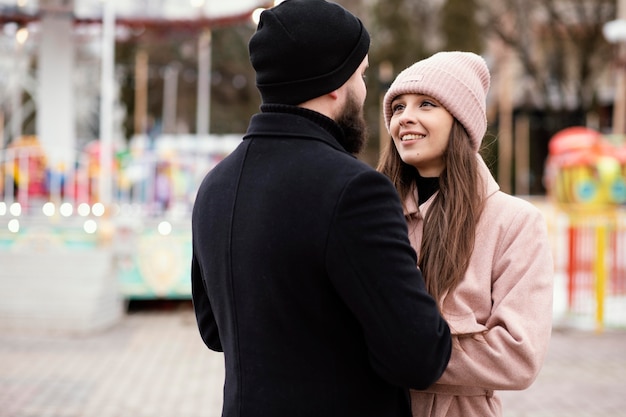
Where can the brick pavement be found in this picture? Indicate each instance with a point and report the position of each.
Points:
(584, 376)
(149, 365)
(153, 364)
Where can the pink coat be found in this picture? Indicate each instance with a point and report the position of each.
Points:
(500, 315)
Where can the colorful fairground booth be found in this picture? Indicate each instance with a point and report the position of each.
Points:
(68, 261)
(586, 182)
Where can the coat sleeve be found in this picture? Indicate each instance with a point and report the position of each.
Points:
(202, 307)
(510, 352)
(373, 268)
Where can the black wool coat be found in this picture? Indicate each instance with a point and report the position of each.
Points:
(303, 275)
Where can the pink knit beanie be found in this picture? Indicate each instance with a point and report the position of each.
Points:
(458, 80)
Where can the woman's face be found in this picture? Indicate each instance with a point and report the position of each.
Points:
(420, 128)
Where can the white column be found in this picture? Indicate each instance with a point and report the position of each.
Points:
(56, 118)
(107, 97)
(17, 117)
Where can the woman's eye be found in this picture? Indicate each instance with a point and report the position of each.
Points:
(427, 103)
(397, 107)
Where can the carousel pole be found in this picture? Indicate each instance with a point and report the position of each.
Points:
(107, 84)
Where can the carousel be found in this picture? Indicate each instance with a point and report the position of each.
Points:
(84, 228)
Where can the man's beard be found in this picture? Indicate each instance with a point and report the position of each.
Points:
(352, 122)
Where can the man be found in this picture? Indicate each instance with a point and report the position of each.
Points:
(302, 271)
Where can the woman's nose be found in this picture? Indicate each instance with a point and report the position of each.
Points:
(407, 117)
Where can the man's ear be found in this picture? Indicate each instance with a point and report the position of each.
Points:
(334, 102)
(327, 104)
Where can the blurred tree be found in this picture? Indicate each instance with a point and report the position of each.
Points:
(402, 32)
(547, 57)
(559, 44)
(401, 29)
(164, 47)
(233, 93)
(459, 26)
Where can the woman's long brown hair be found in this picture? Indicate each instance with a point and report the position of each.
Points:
(450, 224)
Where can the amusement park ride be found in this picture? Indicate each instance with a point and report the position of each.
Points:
(585, 177)
(83, 230)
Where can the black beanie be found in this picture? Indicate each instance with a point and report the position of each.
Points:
(304, 49)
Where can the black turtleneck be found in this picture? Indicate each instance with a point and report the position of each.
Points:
(426, 187)
(326, 122)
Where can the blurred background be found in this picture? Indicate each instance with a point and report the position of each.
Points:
(112, 111)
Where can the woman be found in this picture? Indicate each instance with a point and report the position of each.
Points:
(485, 255)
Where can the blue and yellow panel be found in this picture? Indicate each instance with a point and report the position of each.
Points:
(157, 264)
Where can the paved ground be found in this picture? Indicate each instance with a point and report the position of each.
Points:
(153, 364)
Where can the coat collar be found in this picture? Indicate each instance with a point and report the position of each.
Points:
(283, 121)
